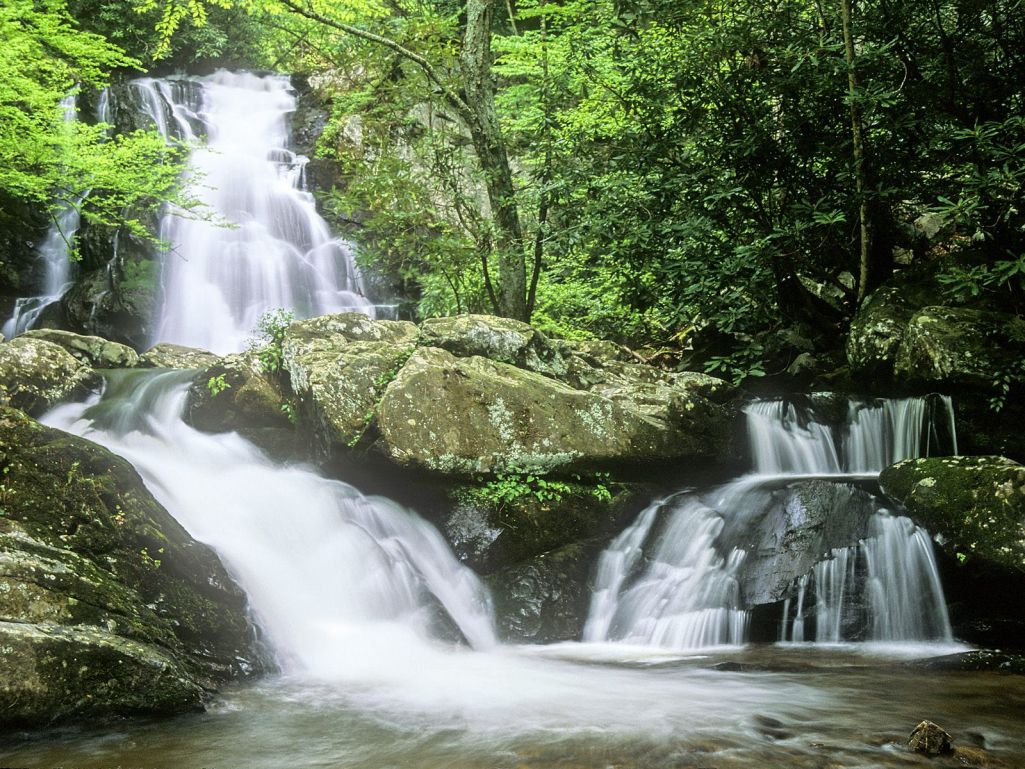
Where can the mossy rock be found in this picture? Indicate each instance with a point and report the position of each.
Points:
(166, 355)
(465, 416)
(975, 504)
(107, 606)
(117, 302)
(35, 374)
(499, 339)
(91, 350)
(339, 365)
(877, 331)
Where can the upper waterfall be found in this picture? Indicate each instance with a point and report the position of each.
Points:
(259, 244)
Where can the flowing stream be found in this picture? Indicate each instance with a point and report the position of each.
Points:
(385, 644)
(258, 243)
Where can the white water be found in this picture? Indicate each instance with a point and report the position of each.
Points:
(672, 578)
(261, 245)
(786, 440)
(54, 253)
(335, 579)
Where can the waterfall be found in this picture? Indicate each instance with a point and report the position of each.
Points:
(677, 576)
(788, 440)
(58, 269)
(258, 244)
(331, 574)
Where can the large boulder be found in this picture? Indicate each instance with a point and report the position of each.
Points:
(117, 302)
(499, 339)
(461, 416)
(952, 347)
(339, 365)
(167, 355)
(36, 374)
(545, 599)
(877, 331)
(107, 606)
(976, 504)
(91, 350)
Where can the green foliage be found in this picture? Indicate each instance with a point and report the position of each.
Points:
(268, 338)
(216, 385)
(519, 485)
(51, 162)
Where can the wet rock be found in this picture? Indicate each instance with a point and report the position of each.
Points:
(236, 395)
(117, 302)
(980, 659)
(975, 504)
(545, 600)
(929, 739)
(488, 417)
(91, 350)
(165, 355)
(36, 374)
(107, 606)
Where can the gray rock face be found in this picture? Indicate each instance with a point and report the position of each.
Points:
(116, 302)
(976, 504)
(816, 517)
(107, 606)
(165, 355)
(36, 374)
(91, 350)
(546, 599)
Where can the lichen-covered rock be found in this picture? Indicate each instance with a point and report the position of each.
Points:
(976, 504)
(107, 606)
(499, 339)
(166, 355)
(339, 366)
(460, 416)
(91, 350)
(951, 346)
(546, 599)
(877, 331)
(35, 374)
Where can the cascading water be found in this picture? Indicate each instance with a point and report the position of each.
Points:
(331, 575)
(683, 573)
(58, 269)
(259, 244)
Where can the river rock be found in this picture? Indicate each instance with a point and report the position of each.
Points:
(490, 417)
(166, 355)
(91, 350)
(877, 331)
(339, 366)
(951, 346)
(546, 599)
(799, 525)
(975, 504)
(117, 302)
(499, 339)
(929, 739)
(107, 606)
(36, 374)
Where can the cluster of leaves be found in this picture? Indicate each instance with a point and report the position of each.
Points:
(519, 485)
(50, 162)
(269, 337)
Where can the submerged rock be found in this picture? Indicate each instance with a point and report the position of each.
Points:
(107, 606)
(36, 374)
(975, 504)
(929, 739)
(91, 350)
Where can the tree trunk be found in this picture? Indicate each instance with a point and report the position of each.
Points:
(486, 133)
(864, 256)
